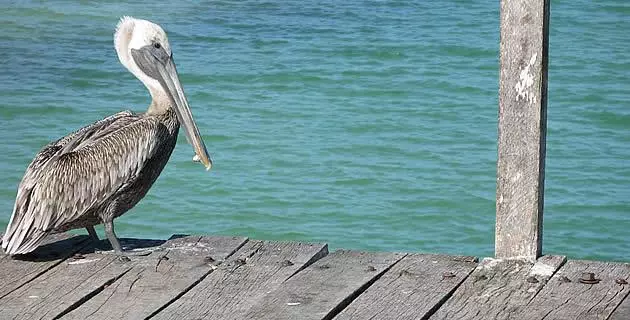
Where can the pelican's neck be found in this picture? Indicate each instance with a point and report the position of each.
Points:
(160, 102)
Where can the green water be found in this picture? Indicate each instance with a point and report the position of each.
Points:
(369, 125)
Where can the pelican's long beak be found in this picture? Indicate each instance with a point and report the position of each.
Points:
(165, 72)
(174, 88)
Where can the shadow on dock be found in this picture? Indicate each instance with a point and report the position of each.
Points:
(62, 246)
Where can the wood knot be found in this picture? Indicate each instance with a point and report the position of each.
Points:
(447, 274)
(480, 277)
(286, 263)
(370, 269)
(405, 273)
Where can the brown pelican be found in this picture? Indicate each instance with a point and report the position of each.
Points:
(100, 171)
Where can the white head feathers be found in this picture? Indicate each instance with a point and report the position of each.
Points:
(132, 33)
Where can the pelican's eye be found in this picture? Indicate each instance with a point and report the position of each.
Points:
(157, 45)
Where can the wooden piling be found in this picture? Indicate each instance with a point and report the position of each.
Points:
(522, 128)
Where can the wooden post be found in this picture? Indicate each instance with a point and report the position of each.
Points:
(522, 128)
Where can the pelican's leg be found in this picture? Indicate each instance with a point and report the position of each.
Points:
(92, 233)
(111, 236)
(113, 240)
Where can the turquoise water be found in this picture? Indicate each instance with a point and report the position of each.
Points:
(369, 125)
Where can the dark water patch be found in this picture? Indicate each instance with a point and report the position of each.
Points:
(608, 119)
(467, 52)
(619, 9)
(10, 112)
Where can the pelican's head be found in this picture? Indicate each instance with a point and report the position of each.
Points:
(143, 48)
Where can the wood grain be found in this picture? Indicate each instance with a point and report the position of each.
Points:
(158, 279)
(413, 289)
(65, 285)
(565, 297)
(497, 289)
(232, 278)
(20, 270)
(623, 310)
(522, 128)
(322, 290)
(256, 269)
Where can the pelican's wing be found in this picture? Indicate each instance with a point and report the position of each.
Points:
(87, 131)
(76, 173)
(53, 148)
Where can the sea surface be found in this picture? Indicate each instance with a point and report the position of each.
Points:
(368, 125)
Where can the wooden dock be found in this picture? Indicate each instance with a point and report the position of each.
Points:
(206, 277)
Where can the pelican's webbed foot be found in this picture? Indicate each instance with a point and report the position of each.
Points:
(118, 249)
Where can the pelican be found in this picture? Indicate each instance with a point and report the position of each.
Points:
(100, 171)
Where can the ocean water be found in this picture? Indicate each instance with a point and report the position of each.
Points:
(369, 125)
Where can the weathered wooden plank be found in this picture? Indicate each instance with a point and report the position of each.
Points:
(566, 297)
(325, 288)
(522, 128)
(60, 288)
(413, 289)
(158, 279)
(497, 289)
(623, 310)
(256, 269)
(18, 271)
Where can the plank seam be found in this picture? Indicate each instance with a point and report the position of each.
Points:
(109, 297)
(179, 295)
(322, 253)
(237, 248)
(612, 313)
(194, 284)
(90, 295)
(446, 297)
(564, 261)
(64, 258)
(354, 295)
